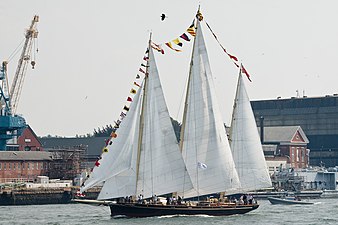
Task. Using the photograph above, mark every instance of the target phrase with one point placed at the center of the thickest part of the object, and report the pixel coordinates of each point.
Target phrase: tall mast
(198, 17)
(188, 89)
(235, 104)
(142, 114)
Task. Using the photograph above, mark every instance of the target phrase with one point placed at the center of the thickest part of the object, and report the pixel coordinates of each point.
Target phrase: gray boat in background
(288, 201)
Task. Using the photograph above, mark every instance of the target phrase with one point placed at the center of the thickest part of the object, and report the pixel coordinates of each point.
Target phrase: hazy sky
(90, 53)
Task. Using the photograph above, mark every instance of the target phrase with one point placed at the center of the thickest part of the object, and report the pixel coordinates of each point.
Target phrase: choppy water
(325, 211)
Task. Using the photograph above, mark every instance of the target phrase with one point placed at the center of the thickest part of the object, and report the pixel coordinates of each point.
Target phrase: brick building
(287, 143)
(23, 165)
(28, 141)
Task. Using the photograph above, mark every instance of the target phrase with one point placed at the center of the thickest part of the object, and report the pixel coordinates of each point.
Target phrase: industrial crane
(12, 125)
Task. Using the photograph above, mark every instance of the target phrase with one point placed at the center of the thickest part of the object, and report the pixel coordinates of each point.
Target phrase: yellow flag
(177, 41)
(170, 46)
(191, 31)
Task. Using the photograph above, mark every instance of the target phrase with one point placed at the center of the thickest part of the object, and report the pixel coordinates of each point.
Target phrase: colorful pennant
(246, 72)
(136, 84)
(170, 46)
(191, 29)
(185, 37)
(141, 70)
(157, 47)
(232, 57)
(177, 41)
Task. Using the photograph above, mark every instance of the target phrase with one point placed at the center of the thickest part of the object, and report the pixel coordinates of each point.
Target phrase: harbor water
(324, 211)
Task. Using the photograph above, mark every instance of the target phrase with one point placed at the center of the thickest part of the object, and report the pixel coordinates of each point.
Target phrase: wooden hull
(141, 210)
(287, 201)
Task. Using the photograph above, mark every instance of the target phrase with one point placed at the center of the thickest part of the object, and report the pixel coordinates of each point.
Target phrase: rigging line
(16, 50)
(182, 98)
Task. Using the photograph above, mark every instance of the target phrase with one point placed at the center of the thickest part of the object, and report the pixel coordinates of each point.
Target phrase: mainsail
(245, 143)
(161, 166)
(145, 157)
(204, 144)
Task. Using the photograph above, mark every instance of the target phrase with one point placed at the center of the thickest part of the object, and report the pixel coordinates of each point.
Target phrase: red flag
(185, 37)
(246, 72)
(97, 163)
(129, 99)
(232, 57)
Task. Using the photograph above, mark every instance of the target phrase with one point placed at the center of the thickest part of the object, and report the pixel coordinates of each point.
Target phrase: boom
(24, 59)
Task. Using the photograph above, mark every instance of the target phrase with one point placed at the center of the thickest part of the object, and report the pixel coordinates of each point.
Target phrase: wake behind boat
(288, 201)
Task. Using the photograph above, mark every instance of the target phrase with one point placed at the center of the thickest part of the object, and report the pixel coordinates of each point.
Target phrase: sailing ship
(146, 161)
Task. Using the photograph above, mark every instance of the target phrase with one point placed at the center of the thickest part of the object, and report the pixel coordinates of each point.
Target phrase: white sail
(205, 146)
(117, 168)
(161, 166)
(245, 143)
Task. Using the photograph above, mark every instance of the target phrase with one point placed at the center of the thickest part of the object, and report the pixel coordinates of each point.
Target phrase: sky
(90, 52)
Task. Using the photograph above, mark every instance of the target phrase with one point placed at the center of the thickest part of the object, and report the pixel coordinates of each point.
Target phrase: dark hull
(141, 210)
(275, 201)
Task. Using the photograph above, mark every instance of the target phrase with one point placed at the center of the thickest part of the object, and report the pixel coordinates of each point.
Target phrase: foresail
(161, 167)
(205, 146)
(245, 143)
(119, 163)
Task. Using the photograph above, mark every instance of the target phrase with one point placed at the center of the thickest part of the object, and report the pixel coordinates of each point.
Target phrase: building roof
(297, 102)
(272, 148)
(23, 155)
(94, 144)
(282, 134)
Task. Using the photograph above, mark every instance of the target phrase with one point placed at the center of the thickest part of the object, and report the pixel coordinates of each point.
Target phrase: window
(292, 154)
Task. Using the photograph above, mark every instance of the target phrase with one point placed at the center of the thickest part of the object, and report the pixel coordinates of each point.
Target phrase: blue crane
(12, 125)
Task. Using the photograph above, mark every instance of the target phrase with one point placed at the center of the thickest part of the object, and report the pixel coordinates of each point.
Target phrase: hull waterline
(141, 210)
